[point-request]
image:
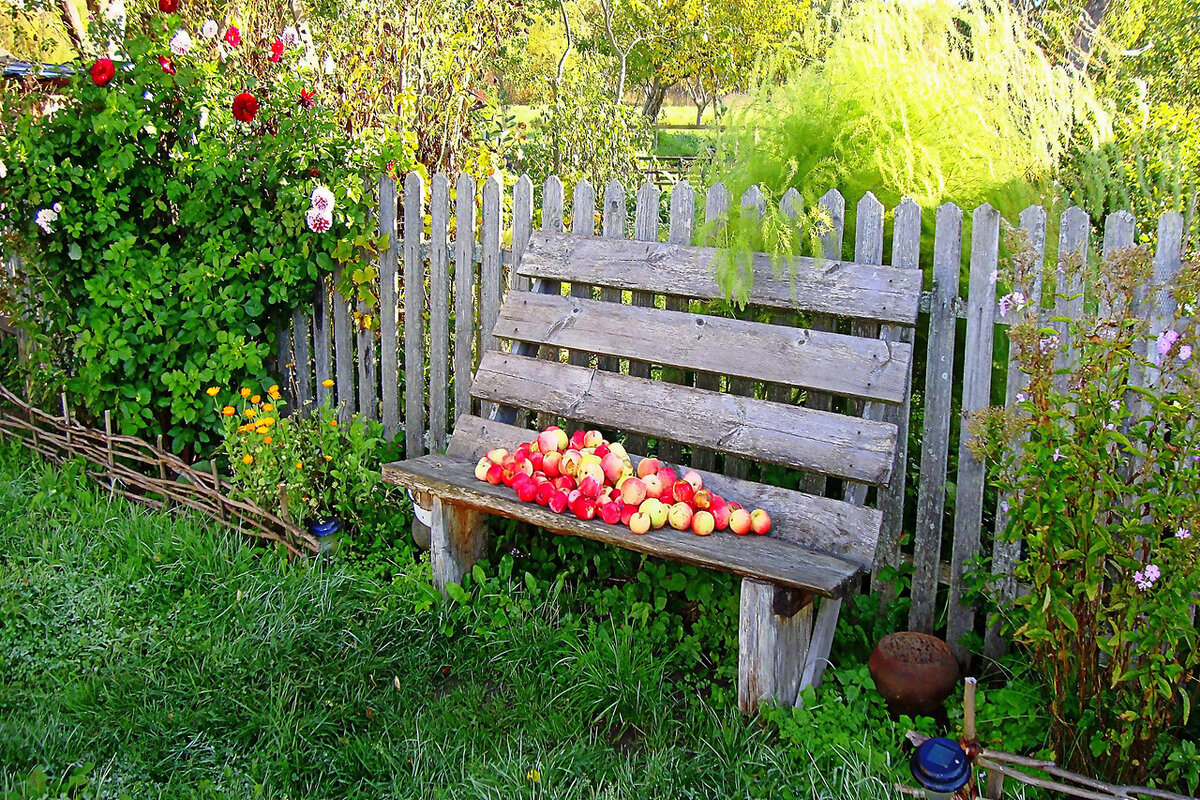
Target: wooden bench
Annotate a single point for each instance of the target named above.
(818, 545)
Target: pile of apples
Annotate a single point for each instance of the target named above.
(591, 477)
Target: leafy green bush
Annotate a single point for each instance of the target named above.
(1101, 476)
(165, 212)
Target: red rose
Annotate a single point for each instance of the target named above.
(168, 6)
(103, 71)
(306, 98)
(244, 107)
(233, 36)
(166, 64)
(276, 49)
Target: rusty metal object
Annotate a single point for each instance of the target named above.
(914, 672)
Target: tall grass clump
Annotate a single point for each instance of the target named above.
(931, 101)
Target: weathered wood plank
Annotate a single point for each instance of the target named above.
(1161, 308)
(464, 293)
(389, 318)
(552, 221)
(368, 394)
(764, 557)
(614, 218)
(935, 442)
(791, 205)
(821, 642)
(716, 204)
(300, 356)
(977, 383)
(583, 220)
(855, 290)
(283, 359)
(830, 362)
(645, 229)
(414, 322)
(491, 286)
(683, 216)
(1073, 235)
(522, 227)
(819, 523)
(906, 254)
(832, 444)
(457, 539)
(322, 329)
(343, 349)
(1006, 553)
(771, 648)
(752, 199)
(439, 311)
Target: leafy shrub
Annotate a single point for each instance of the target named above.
(1101, 476)
(164, 216)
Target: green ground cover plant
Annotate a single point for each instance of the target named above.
(191, 665)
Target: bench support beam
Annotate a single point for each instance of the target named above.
(772, 647)
(458, 538)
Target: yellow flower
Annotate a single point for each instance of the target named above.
(229, 411)
(247, 459)
(261, 430)
(329, 458)
(245, 392)
(257, 398)
(268, 407)
(246, 427)
(267, 421)
(299, 465)
(212, 391)
(250, 412)
(327, 384)
(266, 440)
(273, 389)
(534, 776)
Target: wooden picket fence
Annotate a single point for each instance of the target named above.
(414, 372)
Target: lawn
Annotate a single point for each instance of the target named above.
(182, 662)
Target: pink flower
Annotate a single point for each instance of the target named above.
(1057, 454)
(1183, 533)
(1185, 352)
(1022, 397)
(276, 51)
(290, 36)
(1048, 344)
(1014, 301)
(1146, 579)
(1166, 340)
(233, 36)
(318, 221)
(322, 199)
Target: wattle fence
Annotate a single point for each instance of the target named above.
(408, 362)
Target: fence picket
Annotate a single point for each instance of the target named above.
(683, 218)
(284, 364)
(300, 357)
(614, 227)
(583, 220)
(368, 395)
(935, 441)
(414, 326)
(464, 293)
(1004, 553)
(1073, 234)
(343, 347)
(322, 342)
(439, 310)
(1168, 260)
(906, 254)
(716, 203)
(790, 205)
(522, 228)
(389, 329)
(490, 272)
(977, 384)
(645, 229)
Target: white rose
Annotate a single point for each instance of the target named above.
(181, 42)
(209, 30)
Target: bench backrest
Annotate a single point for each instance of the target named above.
(757, 359)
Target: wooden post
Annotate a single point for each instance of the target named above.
(212, 467)
(716, 203)
(321, 329)
(343, 350)
(683, 217)
(414, 324)
(389, 338)
(458, 538)
(491, 270)
(67, 425)
(583, 220)
(439, 311)
(108, 453)
(464, 294)
(772, 647)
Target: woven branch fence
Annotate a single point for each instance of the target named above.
(144, 473)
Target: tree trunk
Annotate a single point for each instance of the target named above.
(654, 100)
(1090, 20)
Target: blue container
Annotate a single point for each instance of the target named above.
(328, 533)
(941, 766)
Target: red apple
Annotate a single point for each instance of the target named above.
(653, 486)
(539, 463)
(760, 521)
(693, 477)
(522, 451)
(547, 441)
(733, 506)
(648, 466)
(563, 483)
(590, 469)
(569, 463)
(593, 439)
(572, 496)
(495, 474)
(682, 492)
(577, 440)
(601, 450)
(639, 522)
(613, 467)
(558, 503)
(627, 512)
(667, 475)
(633, 491)
(544, 492)
(702, 499)
(702, 523)
(481, 469)
(610, 513)
(497, 456)
(739, 521)
(527, 490)
(720, 516)
(583, 509)
(589, 487)
(550, 463)
(524, 465)
(680, 516)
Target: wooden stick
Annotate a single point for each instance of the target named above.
(969, 710)
(112, 483)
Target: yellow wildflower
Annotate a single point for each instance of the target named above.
(267, 421)
(256, 398)
(229, 411)
(212, 391)
(533, 776)
(329, 458)
(273, 391)
(250, 412)
(245, 392)
(328, 384)
(261, 430)
(299, 465)
(247, 459)
(268, 407)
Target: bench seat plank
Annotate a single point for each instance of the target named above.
(825, 286)
(763, 557)
(813, 441)
(854, 366)
(819, 523)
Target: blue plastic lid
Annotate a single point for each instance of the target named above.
(941, 765)
(325, 527)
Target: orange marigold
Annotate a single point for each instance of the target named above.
(333, 422)
(329, 458)
(268, 407)
(299, 465)
(247, 459)
(212, 391)
(256, 398)
(261, 430)
(266, 440)
(328, 384)
(267, 421)
(273, 392)
(245, 392)
(249, 412)
(229, 411)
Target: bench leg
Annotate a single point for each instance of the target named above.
(774, 631)
(822, 640)
(457, 539)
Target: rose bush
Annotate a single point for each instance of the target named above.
(161, 204)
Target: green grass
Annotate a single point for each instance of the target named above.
(184, 663)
